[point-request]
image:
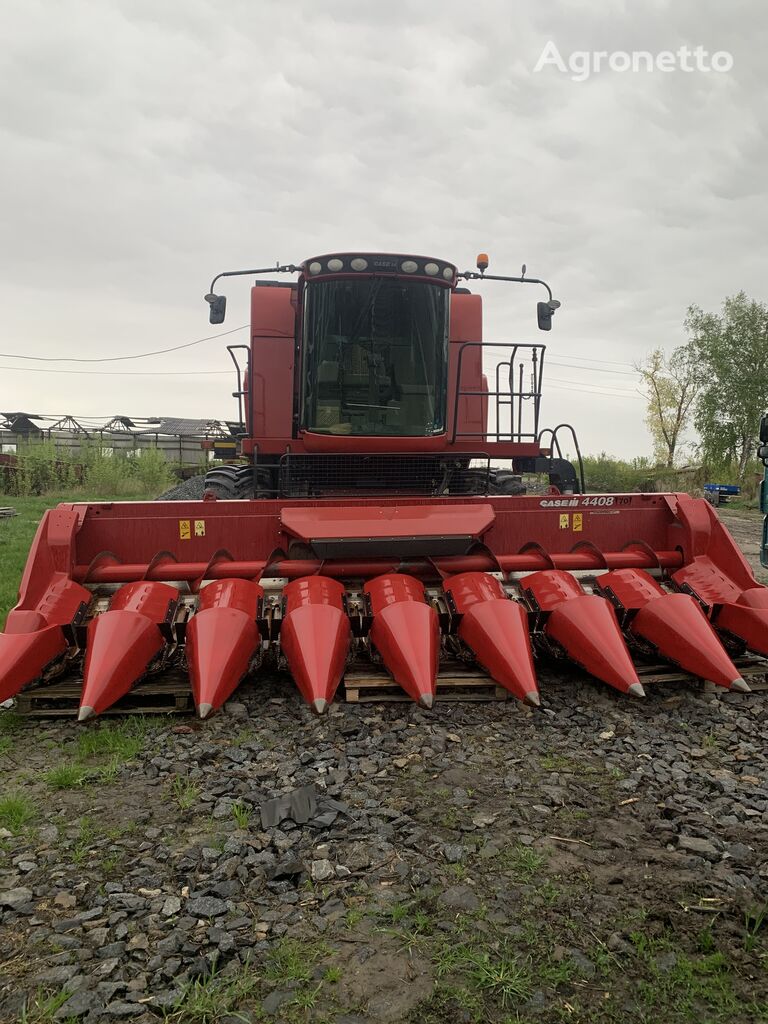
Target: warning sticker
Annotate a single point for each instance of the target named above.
(577, 522)
(565, 520)
(184, 532)
(199, 527)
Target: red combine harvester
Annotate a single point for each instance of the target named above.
(385, 517)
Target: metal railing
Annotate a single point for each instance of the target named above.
(516, 398)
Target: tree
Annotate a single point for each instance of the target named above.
(670, 387)
(732, 353)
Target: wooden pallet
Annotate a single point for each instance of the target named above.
(753, 669)
(165, 695)
(454, 683)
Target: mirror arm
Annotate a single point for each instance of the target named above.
(472, 275)
(287, 268)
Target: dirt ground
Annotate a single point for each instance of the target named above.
(600, 860)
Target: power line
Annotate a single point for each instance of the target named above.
(586, 391)
(121, 373)
(117, 359)
(599, 369)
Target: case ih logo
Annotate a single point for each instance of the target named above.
(560, 503)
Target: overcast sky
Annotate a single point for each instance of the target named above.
(146, 146)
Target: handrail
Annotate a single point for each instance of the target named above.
(503, 397)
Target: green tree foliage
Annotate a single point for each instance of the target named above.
(732, 351)
(671, 385)
(606, 475)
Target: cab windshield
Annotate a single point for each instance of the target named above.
(375, 357)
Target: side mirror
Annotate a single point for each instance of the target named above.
(764, 429)
(544, 313)
(218, 304)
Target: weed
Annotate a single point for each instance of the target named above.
(497, 975)
(691, 982)
(397, 912)
(523, 862)
(557, 763)
(6, 745)
(292, 960)
(108, 772)
(705, 940)
(450, 818)
(242, 814)
(185, 792)
(306, 998)
(120, 741)
(85, 839)
(354, 916)
(111, 863)
(15, 812)
(755, 918)
(458, 870)
(548, 893)
(332, 975)
(66, 776)
(208, 1000)
(10, 722)
(41, 1008)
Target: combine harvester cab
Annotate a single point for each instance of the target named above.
(379, 515)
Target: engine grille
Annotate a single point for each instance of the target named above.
(307, 476)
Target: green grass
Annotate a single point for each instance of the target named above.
(242, 814)
(41, 1007)
(523, 862)
(755, 919)
(87, 835)
(185, 792)
(117, 741)
(293, 960)
(16, 536)
(66, 776)
(210, 999)
(10, 722)
(16, 811)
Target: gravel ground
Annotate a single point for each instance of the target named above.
(602, 860)
(188, 490)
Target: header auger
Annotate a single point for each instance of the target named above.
(382, 516)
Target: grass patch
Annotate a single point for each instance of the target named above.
(293, 960)
(16, 536)
(118, 741)
(523, 862)
(41, 1008)
(86, 837)
(755, 919)
(6, 745)
(208, 1000)
(185, 792)
(10, 722)
(66, 776)
(16, 811)
(242, 814)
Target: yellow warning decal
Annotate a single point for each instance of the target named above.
(577, 522)
(199, 527)
(184, 532)
(565, 520)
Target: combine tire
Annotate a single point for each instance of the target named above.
(230, 481)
